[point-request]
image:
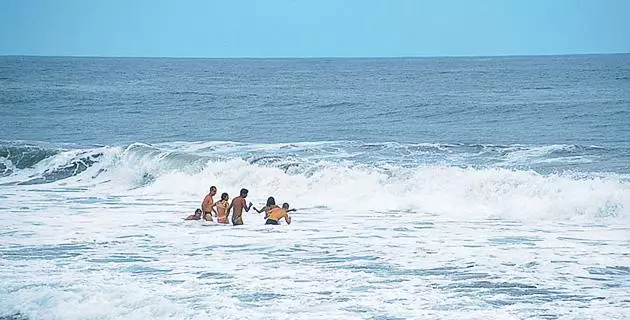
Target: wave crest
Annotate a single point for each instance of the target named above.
(329, 176)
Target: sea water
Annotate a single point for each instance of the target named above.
(450, 188)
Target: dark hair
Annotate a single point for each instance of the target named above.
(213, 188)
(198, 211)
(285, 205)
(244, 191)
(271, 201)
(224, 195)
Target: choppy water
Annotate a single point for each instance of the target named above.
(426, 188)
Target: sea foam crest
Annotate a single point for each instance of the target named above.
(336, 182)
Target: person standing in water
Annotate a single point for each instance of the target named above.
(271, 203)
(276, 214)
(207, 205)
(222, 206)
(237, 205)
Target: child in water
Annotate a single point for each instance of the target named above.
(222, 206)
(196, 216)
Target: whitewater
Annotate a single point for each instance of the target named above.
(411, 204)
(98, 233)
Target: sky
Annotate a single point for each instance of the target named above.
(317, 28)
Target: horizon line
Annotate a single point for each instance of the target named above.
(316, 57)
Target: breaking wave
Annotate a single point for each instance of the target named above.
(434, 178)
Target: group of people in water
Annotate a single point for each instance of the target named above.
(221, 209)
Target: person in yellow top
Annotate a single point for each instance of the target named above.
(222, 206)
(276, 214)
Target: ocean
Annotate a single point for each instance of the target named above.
(425, 188)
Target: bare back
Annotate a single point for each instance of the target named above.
(238, 204)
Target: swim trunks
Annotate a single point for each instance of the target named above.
(271, 221)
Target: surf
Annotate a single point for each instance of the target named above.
(331, 175)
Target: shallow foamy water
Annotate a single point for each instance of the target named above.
(69, 254)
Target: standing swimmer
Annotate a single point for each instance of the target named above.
(237, 205)
(222, 206)
(207, 206)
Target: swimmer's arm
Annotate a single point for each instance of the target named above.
(246, 207)
(291, 210)
(214, 210)
(261, 210)
(287, 218)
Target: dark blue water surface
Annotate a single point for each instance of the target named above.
(582, 100)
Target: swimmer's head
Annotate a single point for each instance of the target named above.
(244, 192)
(198, 212)
(285, 206)
(213, 190)
(224, 196)
(271, 201)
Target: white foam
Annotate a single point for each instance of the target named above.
(336, 183)
(140, 260)
(451, 191)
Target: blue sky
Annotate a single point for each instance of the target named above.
(317, 28)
